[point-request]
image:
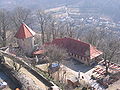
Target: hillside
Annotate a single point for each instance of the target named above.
(107, 7)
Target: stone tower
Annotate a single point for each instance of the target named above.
(25, 37)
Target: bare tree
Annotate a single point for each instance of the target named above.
(109, 44)
(61, 29)
(105, 41)
(53, 28)
(70, 29)
(20, 15)
(92, 37)
(111, 51)
(42, 19)
(4, 23)
(56, 54)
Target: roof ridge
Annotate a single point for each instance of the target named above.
(29, 29)
(74, 40)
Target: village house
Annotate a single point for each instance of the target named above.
(25, 39)
(81, 51)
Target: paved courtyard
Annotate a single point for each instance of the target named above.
(73, 67)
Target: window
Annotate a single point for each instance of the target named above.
(71, 54)
(81, 57)
(75, 55)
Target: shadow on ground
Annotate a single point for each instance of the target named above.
(77, 66)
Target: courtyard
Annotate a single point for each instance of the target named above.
(73, 70)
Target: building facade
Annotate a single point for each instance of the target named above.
(81, 51)
(25, 39)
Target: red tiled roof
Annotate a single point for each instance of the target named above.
(94, 52)
(74, 46)
(24, 32)
(77, 47)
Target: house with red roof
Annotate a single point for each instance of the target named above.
(81, 51)
(25, 38)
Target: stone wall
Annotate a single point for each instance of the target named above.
(9, 73)
(29, 67)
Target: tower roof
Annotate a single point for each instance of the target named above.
(24, 32)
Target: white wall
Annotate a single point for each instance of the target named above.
(27, 45)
